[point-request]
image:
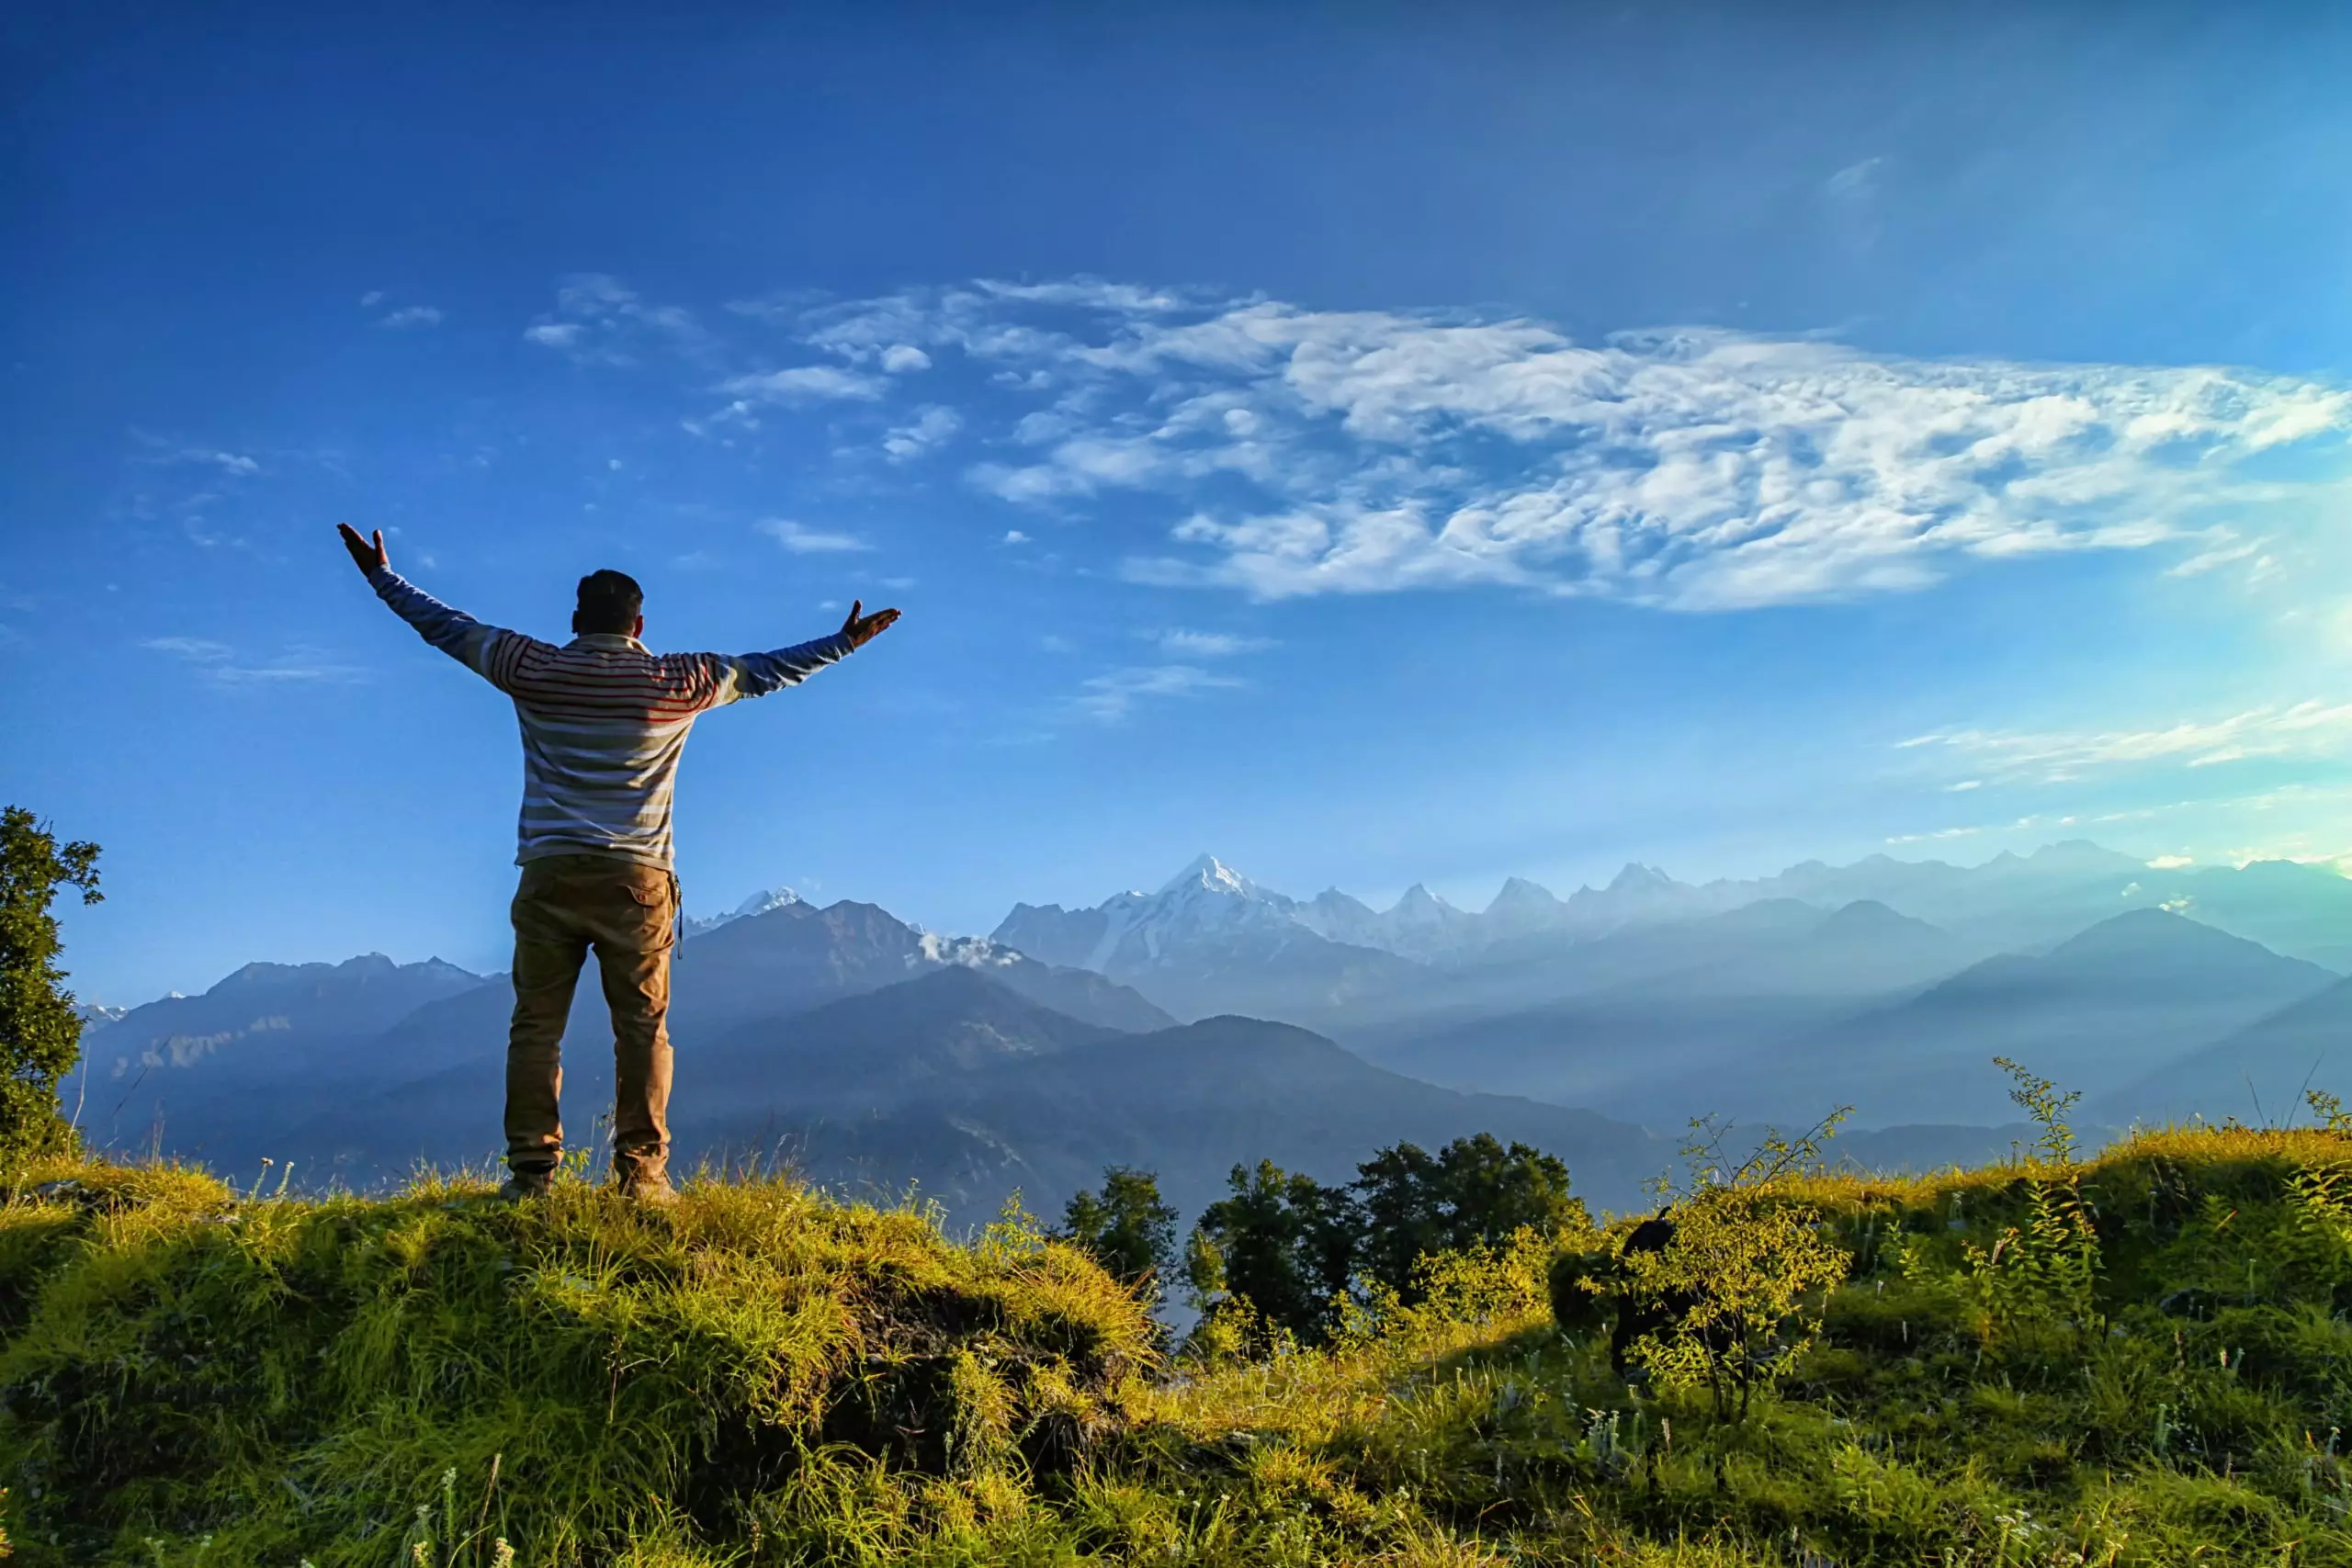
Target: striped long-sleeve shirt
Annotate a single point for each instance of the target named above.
(603, 720)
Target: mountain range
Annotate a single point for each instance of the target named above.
(859, 1049)
(1214, 1022)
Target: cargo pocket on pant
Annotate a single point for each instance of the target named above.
(655, 917)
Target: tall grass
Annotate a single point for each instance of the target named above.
(768, 1376)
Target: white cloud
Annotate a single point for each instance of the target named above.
(804, 541)
(235, 464)
(412, 316)
(2224, 549)
(218, 663)
(598, 321)
(802, 384)
(194, 649)
(373, 296)
(1856, 182)
(2299, 729)
(2171, 862)
(902, 357)
(1111, 696)
(1015, 536)
(1179, 643)
(1694, 470)
(932, 426)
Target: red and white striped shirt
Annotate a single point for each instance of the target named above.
(603, 720)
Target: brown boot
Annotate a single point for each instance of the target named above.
(651, 1188)
(527, 1183)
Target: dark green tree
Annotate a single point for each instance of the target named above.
(1125, 1227)
(1284, 1243)
(41, 1035)
(1473, 1190)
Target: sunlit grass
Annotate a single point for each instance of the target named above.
(767, 1375)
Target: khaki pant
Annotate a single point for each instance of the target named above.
(628, 911)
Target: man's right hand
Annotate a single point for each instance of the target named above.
(365, 554)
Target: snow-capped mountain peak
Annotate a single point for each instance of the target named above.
(757, 903)
(1209, 872)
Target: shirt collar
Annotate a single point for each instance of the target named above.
(615, 641)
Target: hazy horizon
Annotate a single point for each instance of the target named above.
(492, 955)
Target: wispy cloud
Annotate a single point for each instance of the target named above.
(1111, 696)
(235, 465)
(2299, 729)
(1308, 452)
(194, 649)
(412, 316)
(1856, 181)
(216, 662)
(599, 320)
(805, 384)
(805, 541)
(2222, 547)
(934, 426)
(1180, 643)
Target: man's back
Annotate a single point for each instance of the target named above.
(604, 719)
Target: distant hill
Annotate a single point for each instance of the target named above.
(2092, 1014)
(1188, 1103)
(1644, 1017)
(955, 1083)
(188, 1059)
(319, 1043)
(2257, 1074)
(760, 1081)
(880, 1044)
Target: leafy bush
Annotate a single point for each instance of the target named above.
(41, 1035)
(1285, 1257)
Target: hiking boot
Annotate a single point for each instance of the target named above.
(525, 1184)
(652, 1189)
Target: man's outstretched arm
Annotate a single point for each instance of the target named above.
(757, 675)
(487, 651)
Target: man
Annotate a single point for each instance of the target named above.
(603, 723)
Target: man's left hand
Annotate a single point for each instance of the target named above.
(862, 629)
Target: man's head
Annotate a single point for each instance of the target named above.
(610, 602)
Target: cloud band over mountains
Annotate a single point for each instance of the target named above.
(1305, 451)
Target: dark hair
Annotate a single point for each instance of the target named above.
(609, 601)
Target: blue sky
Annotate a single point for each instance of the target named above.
(1375, 444)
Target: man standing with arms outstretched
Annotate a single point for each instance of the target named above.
(603, 723)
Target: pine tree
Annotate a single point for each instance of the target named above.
(41, 1035)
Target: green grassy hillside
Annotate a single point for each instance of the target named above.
(2138, 1359)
